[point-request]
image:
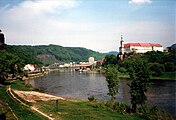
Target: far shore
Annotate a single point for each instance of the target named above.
(165, 76)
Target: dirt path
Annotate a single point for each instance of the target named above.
(32, 108)
(32, 96)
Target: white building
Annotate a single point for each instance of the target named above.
(137, 48)
(141, 47)
(29, 67)
(91, 60)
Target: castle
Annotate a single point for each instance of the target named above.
(2, 39)
(137, 48)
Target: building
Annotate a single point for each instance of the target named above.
(91, 60)
(2, 39)
(29, 67)
(99, 63)
(137, 48)
(141, 47)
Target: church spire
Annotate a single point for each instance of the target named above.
(121, 48)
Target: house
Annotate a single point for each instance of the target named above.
(29, 67)
(99, 63)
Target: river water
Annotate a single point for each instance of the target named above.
(82, 85)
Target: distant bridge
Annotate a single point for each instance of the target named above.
(74, 66)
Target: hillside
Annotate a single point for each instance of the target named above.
(112, 52)
(49, 54)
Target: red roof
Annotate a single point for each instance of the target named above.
(101, 61)
(142, 44)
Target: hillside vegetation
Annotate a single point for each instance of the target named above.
(48, 54)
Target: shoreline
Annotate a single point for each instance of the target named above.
(37, 75)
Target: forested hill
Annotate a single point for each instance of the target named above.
(49, 54)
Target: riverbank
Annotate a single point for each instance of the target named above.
(35, 75)
(69, 109)
(164, 76)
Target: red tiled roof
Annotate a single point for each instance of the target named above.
(142, 44)
(101, 61)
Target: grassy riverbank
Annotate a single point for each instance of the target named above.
(164, 76)
(13, 110)
(81, 110)
(69, 109)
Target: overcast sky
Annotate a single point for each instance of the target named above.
(93, 24)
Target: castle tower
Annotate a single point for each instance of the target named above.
(121, 48)
(2, 39)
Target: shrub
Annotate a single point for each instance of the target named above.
(92, 98)
(169, 67)
(153, 113)
(120, 107)
(156, 69)
(109, 104)
(99, 105)
(122, 69)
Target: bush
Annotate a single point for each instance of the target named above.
(92, 98)
(122, 69)
(120, 107)
(169, 67)
(109, 104)
(99, 105)
(153, 113)
(156, 69)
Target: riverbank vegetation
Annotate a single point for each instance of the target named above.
(161, 64)
(11, 109)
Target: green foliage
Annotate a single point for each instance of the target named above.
(169, 66)
(24, 55)
(92, 98)
(153, 113)
(22, 112)
(168, 59)
(10, 64)
(82, 110)
(119, 107)
(156, 69)
(111, 74)
(122, 69)
(110, 59)
(49, 54)
(139, 72)
(155, 56)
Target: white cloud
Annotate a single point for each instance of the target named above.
(139, 2)
(44, 6)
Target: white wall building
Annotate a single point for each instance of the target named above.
(141, 47)
(91, 60)
(29, 67)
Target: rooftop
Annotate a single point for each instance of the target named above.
(142, 44)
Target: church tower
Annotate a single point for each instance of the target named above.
(121, 48)
(2, 39)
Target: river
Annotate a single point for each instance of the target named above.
(82, 85)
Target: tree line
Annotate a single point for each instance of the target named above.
(12, 62)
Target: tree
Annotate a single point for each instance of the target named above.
(110, 59)
(111, 74)
(10, 64)
(139, 72)
(156, 69)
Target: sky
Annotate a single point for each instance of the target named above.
(93, 24)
